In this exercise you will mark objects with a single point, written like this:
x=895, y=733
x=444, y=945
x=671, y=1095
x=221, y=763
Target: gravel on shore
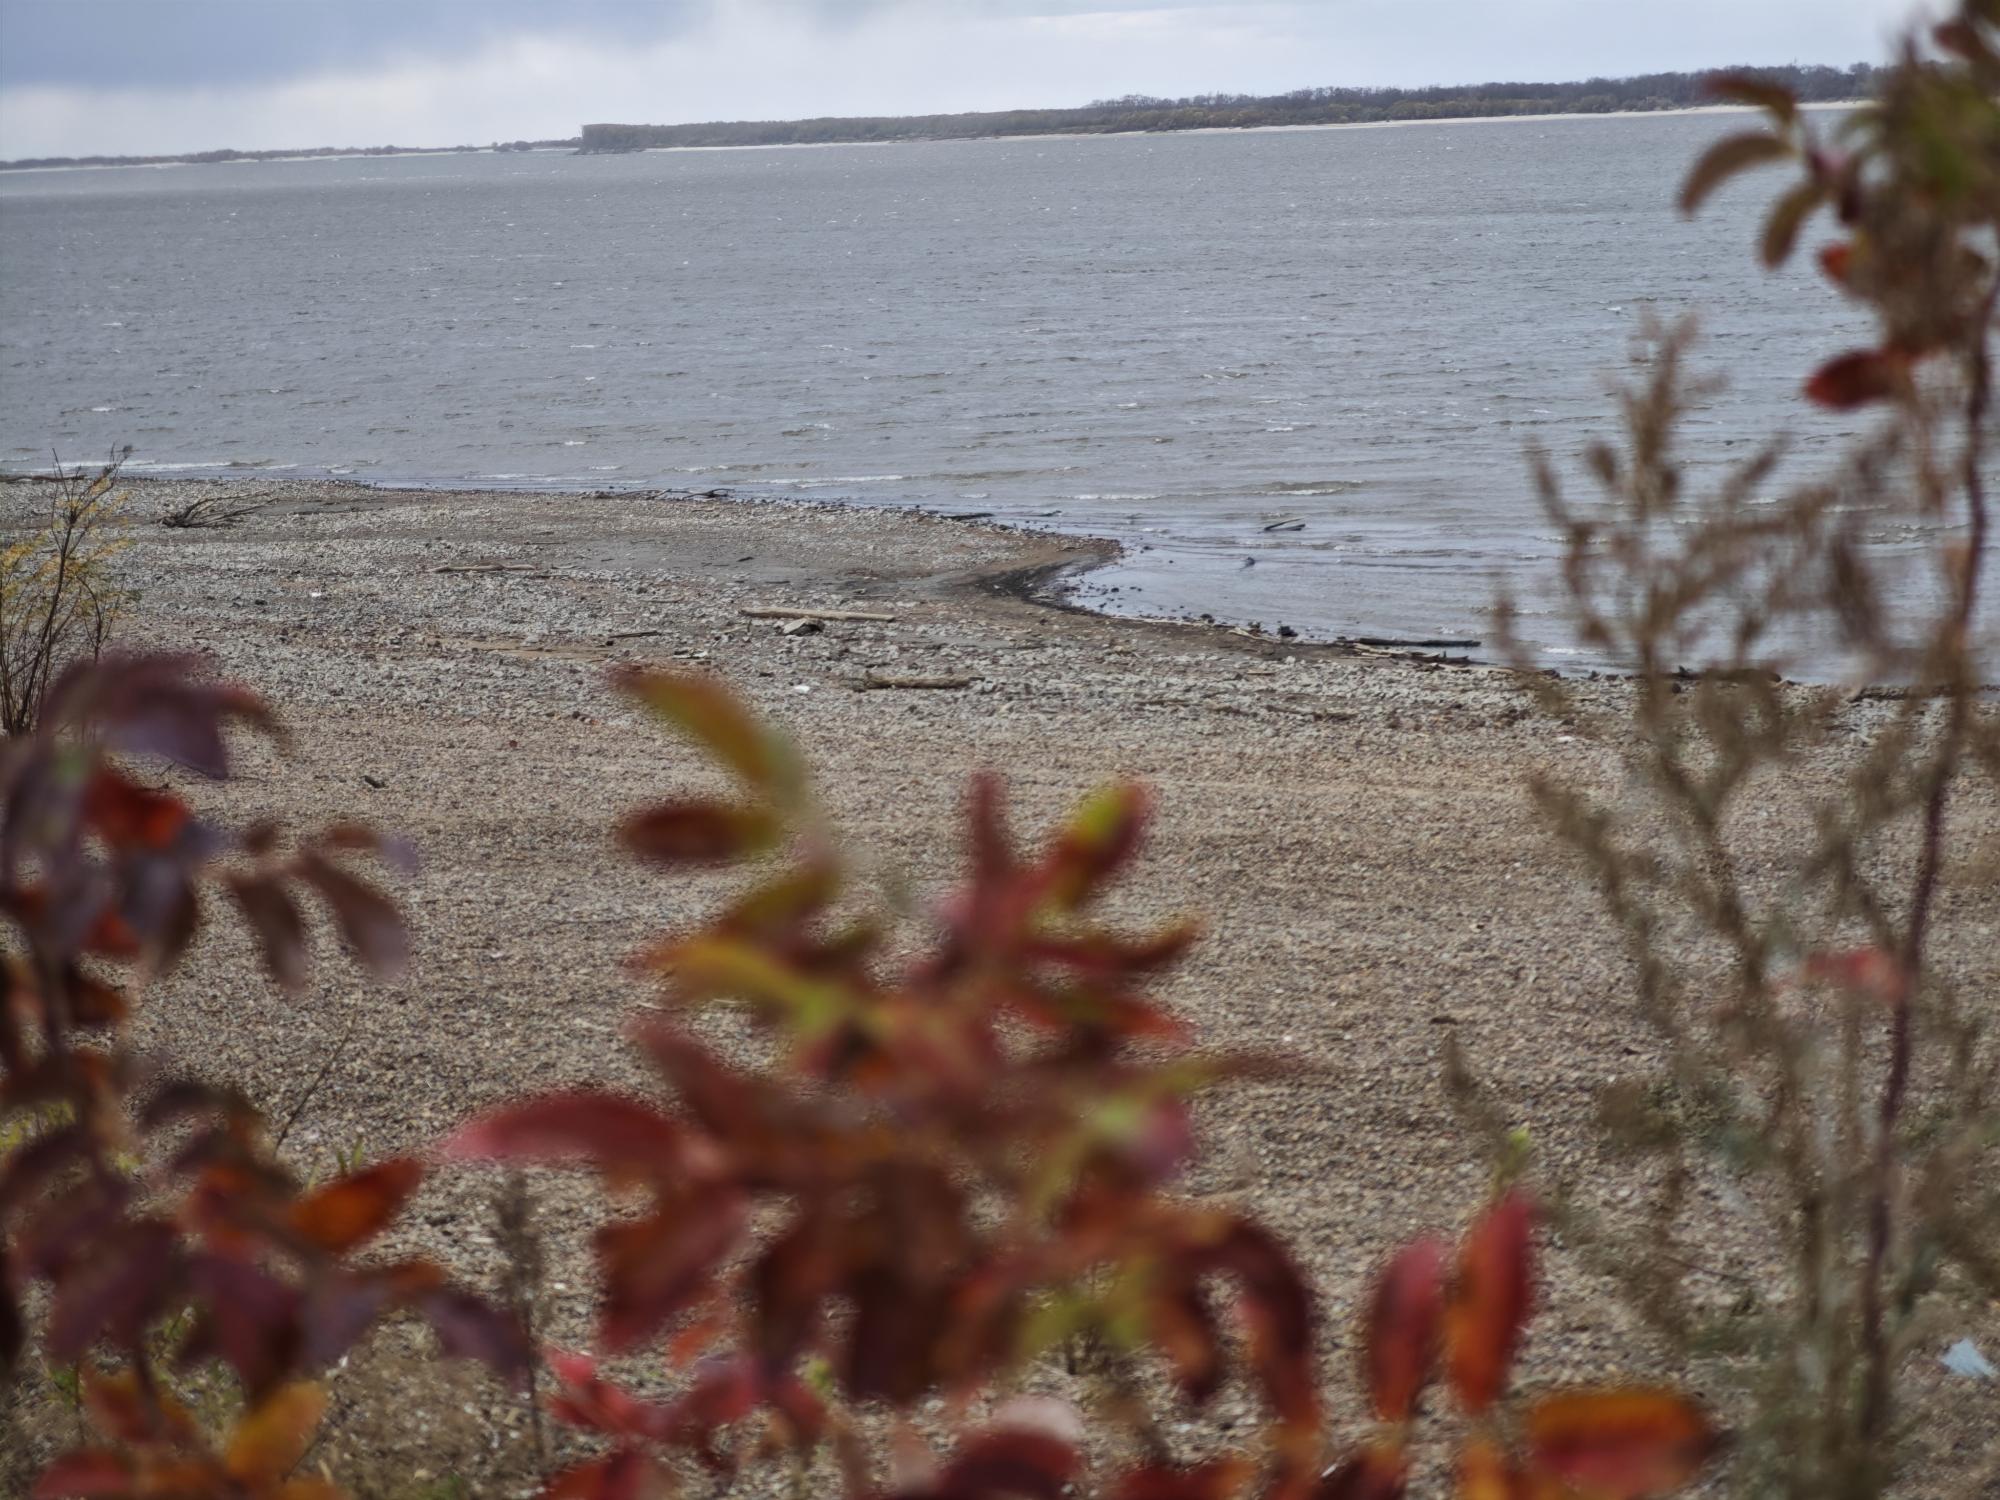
x=1353, y=830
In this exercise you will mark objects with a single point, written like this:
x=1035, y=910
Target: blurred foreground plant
x=961, y=1161
x=1823, y=1079
x=149, y=1233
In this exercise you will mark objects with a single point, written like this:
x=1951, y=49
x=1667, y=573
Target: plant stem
x=1930, y=862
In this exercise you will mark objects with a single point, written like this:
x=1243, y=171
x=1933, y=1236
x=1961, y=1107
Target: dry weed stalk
x=1823, y=1077
x=57, y=600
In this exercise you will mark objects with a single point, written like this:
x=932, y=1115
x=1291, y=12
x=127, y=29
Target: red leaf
x=1837, y=261
x=653, y=1268
x=623, y=1476
x=128, y=816
x=1866, y=971
x=1011, y=1464
x=1859, y=379
x=1277, y=1309
x=596, y=1405
x=349, y=1213
x=1490, y=1300
x=677, y=833
x=1619, y=1444
x=1401, y=1345
x=620, y=1136
x=87, y=1475
x=1219, y=1479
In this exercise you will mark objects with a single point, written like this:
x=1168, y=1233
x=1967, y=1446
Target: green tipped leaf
x=715, y=719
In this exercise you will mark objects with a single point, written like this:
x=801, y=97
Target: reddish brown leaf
x=1400, y=1347
x=1837, y=261
x=1725, y=159
x=88, y=1475
x=1859, y=379
x=367, y=919
x=625, y=1475
x=94, y=1004
x=654, y=1268
x=620, y=1136
x=1486, y=1471
x=347, y=1214
x=128, y=816
x=1277, y=1308
x=1866, y=971
x=249, y=1320
x=681, y=833
x=1619, y=1444
x=1490, y=1299
x=1219, y=1479
x=268, y=1440
x=596, y=1405
x=1787, y=217
x=1011, y=1464
x=1759, y=93
x=275, y=919
x=469, y=1327
x=118, y=1294
x=121, y=1410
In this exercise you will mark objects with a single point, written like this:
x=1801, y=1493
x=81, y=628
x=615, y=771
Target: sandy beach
x=1352, y=828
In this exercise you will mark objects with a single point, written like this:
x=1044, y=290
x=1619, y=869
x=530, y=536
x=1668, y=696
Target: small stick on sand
x=872, y=680
x=766, y=612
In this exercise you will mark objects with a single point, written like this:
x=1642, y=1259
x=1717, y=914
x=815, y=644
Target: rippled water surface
x=1177, y=340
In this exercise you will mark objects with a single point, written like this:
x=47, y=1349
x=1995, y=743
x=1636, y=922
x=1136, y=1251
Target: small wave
x=1312, y=487
x=839, y=479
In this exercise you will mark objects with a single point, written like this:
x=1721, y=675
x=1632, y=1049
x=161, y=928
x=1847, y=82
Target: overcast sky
x=80, y=77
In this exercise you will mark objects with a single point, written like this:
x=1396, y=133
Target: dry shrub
x=58, y=599
x=1825, y=1078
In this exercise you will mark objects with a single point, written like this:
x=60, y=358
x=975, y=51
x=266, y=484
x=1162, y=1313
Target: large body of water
x=1175, y=340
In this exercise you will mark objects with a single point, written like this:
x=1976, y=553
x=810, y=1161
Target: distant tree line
x=1319, y=106
x=1316, y=106
x=202, y=158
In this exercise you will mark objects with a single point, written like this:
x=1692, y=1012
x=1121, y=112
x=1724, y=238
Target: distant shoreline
x=571, y=148
x=1098, y=135
x=1135, y=114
